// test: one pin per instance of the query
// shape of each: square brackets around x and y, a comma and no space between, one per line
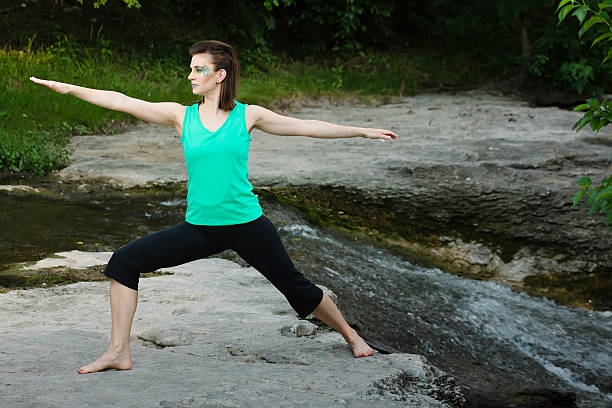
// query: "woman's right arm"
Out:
[163,113]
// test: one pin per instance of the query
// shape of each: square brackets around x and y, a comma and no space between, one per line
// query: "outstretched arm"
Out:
[163,113]
[276,124]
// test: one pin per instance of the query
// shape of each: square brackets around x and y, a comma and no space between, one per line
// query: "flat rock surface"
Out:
[464,129]
[213,334]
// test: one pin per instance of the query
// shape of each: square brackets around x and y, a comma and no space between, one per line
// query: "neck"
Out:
[211,100]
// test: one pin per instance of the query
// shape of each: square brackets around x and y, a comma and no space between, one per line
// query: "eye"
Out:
[203,70]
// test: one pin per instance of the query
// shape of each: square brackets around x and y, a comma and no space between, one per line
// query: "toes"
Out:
[88,369]
[364,353]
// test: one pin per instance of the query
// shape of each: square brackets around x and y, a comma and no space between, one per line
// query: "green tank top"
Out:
[218,190]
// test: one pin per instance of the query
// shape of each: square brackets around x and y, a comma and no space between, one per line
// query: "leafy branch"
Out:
[599,197]
[597,114]
[581,9]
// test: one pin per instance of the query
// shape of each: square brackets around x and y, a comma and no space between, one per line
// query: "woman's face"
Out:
[203,77]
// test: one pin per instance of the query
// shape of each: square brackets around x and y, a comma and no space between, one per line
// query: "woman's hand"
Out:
[275,124]
[60,87]
[383,134]
[163,113]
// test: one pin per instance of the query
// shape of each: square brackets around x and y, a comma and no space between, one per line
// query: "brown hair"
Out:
[223,57]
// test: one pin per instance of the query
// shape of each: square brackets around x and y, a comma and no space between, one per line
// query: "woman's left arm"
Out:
[270,122]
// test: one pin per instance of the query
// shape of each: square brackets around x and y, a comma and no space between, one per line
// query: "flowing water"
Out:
[485,334]
[480,331]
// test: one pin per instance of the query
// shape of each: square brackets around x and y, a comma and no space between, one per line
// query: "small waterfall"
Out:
[509,330]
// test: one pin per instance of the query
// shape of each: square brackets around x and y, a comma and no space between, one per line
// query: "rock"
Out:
[200,339]
[404,385]
[18,188]
[478,254]
[74,259]
[558,98]
[300,329]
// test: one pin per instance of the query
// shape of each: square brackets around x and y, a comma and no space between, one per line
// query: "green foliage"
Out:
[471,22]
[324,25]
[510,11]
[36,123]
[128,3]
[555,57]
[264,29]
[373,74]
[34,150]
[580,9]
[559,58]
[597,114]
[579,74]
[558,55]
[600,197]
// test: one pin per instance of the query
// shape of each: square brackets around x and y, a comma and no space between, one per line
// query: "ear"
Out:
[221,75]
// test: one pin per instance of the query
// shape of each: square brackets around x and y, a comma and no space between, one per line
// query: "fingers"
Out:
[381,134]
[41,81]
[385,134]
[53,85]
[389,133]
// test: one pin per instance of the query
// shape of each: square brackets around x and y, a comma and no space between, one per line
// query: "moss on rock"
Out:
[17,277]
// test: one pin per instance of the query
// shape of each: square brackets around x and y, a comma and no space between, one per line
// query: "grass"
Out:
[36,123]
[371,75]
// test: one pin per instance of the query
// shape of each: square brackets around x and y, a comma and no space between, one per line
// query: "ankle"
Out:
[119,348]
[348,332]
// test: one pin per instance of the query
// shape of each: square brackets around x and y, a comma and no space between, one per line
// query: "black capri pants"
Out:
[257,242]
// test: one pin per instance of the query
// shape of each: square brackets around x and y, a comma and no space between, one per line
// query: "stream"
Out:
[488,336]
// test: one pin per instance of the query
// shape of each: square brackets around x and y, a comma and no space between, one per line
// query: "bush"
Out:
[37,151]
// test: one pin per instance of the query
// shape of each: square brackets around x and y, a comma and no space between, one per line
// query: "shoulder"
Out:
[253,115]
[176,108]
[256,114]
[240,106]
[256,111]
[181,114]
[181,111]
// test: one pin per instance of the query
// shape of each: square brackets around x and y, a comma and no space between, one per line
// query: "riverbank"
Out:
[478,184]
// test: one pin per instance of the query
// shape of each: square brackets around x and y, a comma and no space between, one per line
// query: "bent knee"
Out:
[122,269]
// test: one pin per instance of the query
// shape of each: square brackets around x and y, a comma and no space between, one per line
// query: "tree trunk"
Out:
[526,48]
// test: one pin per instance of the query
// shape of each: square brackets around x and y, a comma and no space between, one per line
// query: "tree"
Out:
[597,114]
[520,12]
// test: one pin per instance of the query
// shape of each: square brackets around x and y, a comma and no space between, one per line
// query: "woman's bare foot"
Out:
[110,359]
[358,345]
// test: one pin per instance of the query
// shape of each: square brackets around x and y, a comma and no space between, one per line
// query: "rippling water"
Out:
[443,316]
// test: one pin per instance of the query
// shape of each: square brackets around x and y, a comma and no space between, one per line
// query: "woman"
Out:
[222,210]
